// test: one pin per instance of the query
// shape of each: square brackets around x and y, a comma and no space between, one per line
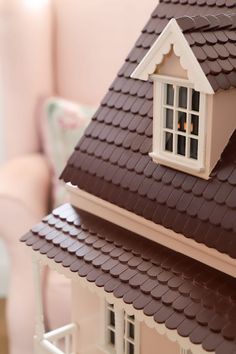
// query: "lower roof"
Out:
[181,293]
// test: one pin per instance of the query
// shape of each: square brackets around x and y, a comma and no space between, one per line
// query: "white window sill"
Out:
[106,349]
[178,163]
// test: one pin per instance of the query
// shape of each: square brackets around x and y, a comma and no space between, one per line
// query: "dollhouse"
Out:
[149,237]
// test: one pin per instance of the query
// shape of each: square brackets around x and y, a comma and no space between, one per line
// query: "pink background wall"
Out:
[94,37]
[71,48]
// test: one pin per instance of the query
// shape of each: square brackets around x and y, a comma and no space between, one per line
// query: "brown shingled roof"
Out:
[111,161]
[183,294]
[213,41]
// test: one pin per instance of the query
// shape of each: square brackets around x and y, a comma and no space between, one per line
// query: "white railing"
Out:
[58,341]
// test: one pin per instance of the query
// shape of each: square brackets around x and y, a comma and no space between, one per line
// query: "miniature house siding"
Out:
[223,123]
[152,342]
[88,313]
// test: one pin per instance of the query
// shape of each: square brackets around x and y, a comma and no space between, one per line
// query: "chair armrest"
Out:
[27,180]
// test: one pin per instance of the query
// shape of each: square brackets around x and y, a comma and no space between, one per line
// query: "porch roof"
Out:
[175,290]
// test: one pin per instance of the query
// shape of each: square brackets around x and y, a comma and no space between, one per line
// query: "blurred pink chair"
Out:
[71,49]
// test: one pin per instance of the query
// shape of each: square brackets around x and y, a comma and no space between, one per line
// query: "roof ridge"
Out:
[207,22]
[209,3]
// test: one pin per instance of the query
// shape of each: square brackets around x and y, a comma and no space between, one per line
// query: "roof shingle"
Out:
[183,294]
[213,41]
[111,161]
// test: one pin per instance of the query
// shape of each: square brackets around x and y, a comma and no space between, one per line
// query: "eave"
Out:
[172,335]
[152,231]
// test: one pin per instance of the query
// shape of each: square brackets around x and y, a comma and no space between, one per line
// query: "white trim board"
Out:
[4,270]
[172,36]
[151,231]
[172,335]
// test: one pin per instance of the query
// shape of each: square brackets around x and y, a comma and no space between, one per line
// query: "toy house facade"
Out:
[149,239]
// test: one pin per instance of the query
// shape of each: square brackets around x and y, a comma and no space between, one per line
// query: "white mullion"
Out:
[180,109]
[182,133]
[167,106]
[163,117]
[195,137]
[125,334]
[111,328]
[194,112]
[167,130]
[175,120]
[202,127]
[125,339]
[188,130]
[158,113]
[119,332]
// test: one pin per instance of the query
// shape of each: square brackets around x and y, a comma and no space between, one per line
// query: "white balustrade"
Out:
[59,341]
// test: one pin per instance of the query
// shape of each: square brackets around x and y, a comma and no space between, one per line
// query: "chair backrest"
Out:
[25,71]
[71,48]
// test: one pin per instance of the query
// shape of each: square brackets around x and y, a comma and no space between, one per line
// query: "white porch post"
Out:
[39,325]
[119,336]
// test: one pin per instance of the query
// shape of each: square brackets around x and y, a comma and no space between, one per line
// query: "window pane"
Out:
[183,94]
[168,142]
[169,118]
[195,100]
[194,149]
[169,95]
[181,145]
[112,318]
[131,330]
[130,348]
[194,124]
[111,337]
[182,121]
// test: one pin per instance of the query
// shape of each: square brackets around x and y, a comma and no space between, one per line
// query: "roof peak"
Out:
[208,22]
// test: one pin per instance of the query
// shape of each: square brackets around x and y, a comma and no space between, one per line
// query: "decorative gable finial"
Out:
[172,36]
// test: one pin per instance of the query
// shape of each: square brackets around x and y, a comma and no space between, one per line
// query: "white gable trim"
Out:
[172,335]
[173,36]
[151,231]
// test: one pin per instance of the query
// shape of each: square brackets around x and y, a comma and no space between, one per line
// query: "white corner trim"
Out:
[151,231]
[139,315]
[173,36]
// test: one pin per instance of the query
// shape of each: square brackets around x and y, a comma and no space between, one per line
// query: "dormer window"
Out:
[191,97]
[178,124]
[180,121]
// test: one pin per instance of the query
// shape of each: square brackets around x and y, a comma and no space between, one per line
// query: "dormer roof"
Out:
[213,41]
[112,159]
[206,46]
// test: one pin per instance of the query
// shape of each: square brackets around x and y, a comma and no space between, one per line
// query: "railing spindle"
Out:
[67,344]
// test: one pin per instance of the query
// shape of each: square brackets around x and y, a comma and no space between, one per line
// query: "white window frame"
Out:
[185,351]
[121,341]
[159,155]
[133,341]
[107,308]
